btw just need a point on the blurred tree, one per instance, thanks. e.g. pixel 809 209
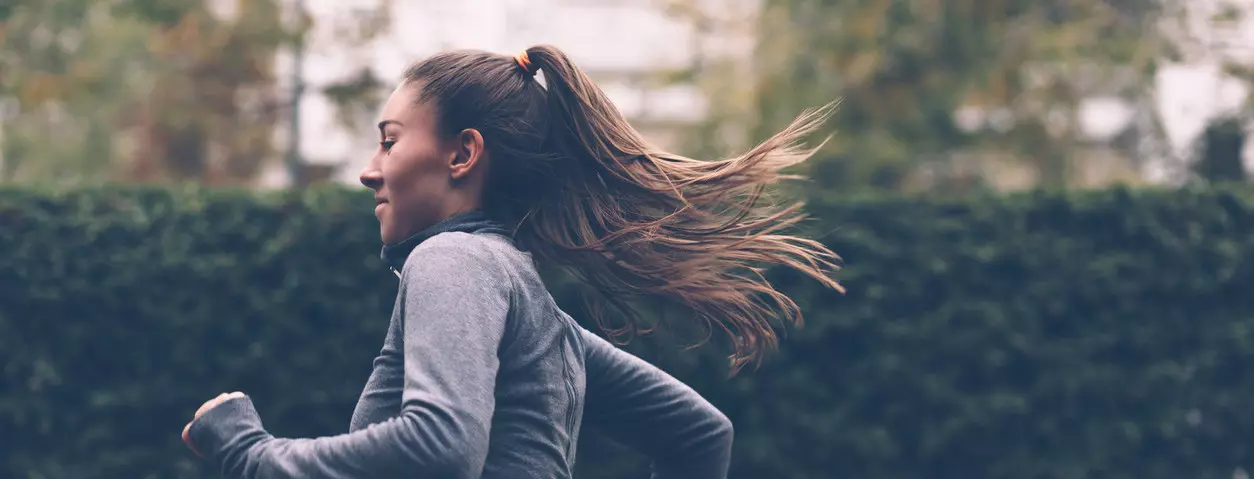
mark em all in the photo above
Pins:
pixel 723 64
pixel 358 94
pixel 56 63
pixel 938 87
pixel 139 90
pixel 1220 148
pixel 213 107
pixel 150 90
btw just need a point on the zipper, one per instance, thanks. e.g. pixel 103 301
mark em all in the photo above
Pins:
pixel 570 392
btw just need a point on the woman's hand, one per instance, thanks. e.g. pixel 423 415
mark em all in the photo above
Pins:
pixel 210 404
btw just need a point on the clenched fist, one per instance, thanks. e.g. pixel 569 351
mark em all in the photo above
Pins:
pixel 210 404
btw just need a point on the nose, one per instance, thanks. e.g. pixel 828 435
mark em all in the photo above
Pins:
pixel 372 178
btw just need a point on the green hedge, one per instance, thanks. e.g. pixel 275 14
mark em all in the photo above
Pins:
pixel 1079 335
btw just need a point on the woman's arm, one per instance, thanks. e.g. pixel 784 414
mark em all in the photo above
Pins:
pixel 454 302
pixel 641 406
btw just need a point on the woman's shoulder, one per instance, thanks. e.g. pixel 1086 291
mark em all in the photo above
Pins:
pixel 468 253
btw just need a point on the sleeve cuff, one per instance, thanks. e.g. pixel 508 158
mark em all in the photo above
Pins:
pixel 228 429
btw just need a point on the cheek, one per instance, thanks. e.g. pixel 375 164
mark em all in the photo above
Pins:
pixel 403 167
pixel 412 177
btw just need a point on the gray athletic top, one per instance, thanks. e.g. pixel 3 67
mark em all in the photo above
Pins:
pixel 481 375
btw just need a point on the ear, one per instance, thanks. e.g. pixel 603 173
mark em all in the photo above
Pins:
pixel 468 153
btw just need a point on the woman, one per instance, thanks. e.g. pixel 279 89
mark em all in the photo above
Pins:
pixel 479 170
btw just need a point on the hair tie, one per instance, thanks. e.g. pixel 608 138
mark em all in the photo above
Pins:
pixel 524 62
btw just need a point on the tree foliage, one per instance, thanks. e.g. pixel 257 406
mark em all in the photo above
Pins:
pixel 140 90
pixel 904 68
pixel 1095 334
pixel 934 92
pixel 1220 149
pixel 152 90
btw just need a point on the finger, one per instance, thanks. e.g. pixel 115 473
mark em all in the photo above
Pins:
pixel 205 407
pixel 187 439
pixel 212 403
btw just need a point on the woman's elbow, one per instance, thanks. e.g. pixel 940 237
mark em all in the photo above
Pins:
pixel 467 463
pixel 447 448
pixel 723 433
pixel 465 456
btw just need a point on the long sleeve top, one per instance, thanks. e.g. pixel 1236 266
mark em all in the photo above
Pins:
pixel 481 375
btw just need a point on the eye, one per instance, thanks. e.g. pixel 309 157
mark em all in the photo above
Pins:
pixel 387 144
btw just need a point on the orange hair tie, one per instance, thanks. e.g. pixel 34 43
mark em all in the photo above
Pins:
pixel 524 62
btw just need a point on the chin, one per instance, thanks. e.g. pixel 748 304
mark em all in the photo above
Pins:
pixel 388 230
pixel 385 234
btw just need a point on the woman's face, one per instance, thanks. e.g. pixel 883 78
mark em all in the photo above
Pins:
pixel 410 172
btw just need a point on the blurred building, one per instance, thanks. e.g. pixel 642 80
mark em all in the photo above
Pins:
pixel 1197 89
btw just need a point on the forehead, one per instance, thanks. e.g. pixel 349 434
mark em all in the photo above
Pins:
pixel 402 106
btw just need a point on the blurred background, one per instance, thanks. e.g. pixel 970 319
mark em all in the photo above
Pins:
pixel 937 95
pixel 1044 207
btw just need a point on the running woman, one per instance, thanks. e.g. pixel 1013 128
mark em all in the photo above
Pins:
pixel 482 171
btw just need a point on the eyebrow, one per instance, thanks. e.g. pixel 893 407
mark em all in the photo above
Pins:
pixel 387 122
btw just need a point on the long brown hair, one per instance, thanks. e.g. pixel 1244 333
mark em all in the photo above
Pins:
pixel 585 192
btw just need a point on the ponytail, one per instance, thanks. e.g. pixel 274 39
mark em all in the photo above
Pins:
pixel 637 222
